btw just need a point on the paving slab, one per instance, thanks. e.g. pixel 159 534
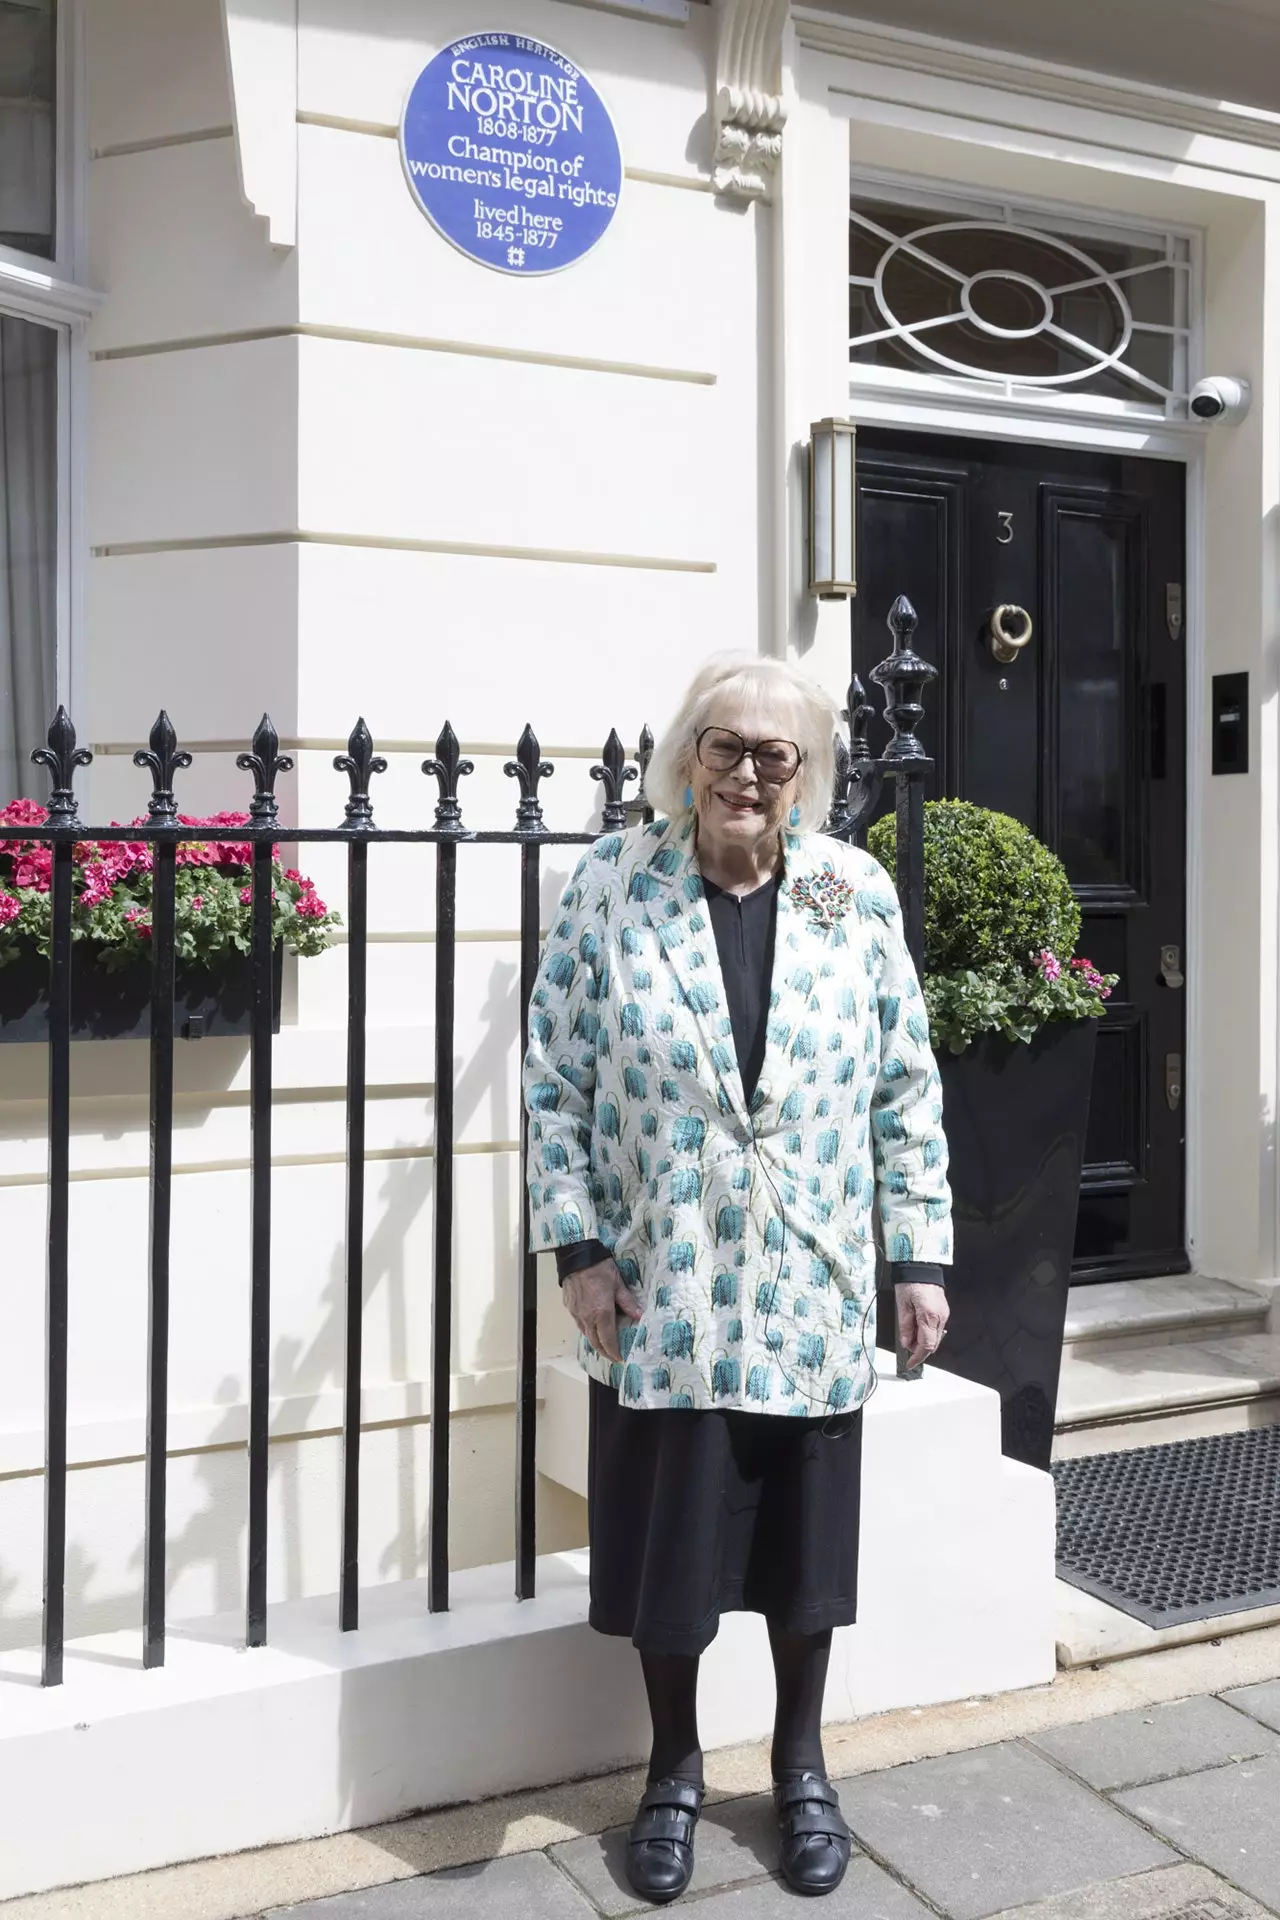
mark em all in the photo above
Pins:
pixel 1262 1702
pixel 978 1833
pixel 1171 1893
pixel 1155 1743
pixel 526 1887
pixel 737 1840
pixel 865 1893
pixel 1227 1818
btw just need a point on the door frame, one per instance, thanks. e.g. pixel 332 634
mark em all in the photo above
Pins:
pixel 865 99
pixel 937 409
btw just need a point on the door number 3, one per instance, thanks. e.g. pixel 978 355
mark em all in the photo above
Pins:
pixel 1005 535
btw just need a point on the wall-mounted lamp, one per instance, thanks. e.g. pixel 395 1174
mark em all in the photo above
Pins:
pixel 833 510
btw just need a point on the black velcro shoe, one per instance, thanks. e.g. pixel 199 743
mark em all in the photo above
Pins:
pixel 660 1843
pixel 816 1843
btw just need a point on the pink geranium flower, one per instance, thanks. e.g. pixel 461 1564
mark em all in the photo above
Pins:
pixel 1094 980
pixel 33 868
pixel 24 813
pixel 113 877
pixel 1050 966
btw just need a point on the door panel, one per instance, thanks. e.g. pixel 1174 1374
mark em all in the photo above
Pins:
pixel 1082 737
pixel 1091 584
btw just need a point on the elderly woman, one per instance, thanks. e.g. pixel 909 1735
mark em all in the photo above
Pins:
pixel 732 1096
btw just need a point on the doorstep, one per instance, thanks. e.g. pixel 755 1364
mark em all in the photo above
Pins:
pixel 1149 1361
pixel 1160 1311
pixel 1146 1362
pixel 1088 1632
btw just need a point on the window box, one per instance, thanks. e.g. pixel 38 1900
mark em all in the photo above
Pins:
pixel 212 1003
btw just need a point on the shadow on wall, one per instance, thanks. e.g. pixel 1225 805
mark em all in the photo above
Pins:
pixel 207 1546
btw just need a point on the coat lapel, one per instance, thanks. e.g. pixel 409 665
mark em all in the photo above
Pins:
pixel 676 910
pixel 669 883
pixel 819 982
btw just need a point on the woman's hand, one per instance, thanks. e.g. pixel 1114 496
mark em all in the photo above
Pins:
pixel 595 1296
pixel 923 1313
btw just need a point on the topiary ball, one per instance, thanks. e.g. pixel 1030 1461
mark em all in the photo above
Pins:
pixel 992 894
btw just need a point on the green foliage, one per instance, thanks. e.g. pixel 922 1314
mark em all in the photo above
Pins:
pixel 1010 1001
pixel 993 895
pixel 1001 925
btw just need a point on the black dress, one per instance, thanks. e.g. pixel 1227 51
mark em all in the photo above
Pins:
pixel 694 1513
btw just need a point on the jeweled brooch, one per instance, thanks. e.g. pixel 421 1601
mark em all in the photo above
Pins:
pixel 825 895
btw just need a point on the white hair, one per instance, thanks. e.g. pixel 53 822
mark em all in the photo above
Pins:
pixel 796 708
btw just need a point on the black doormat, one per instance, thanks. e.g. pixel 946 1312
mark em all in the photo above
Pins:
pixel 1173 1533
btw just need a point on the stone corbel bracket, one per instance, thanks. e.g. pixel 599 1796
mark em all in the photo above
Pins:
pixel 262 64
pixel 750 111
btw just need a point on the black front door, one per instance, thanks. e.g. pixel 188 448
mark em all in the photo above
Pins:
pixel 1081 736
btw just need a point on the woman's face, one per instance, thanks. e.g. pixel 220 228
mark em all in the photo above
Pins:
pixel 740 805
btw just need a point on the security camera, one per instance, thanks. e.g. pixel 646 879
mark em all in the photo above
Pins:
pixel 1222 397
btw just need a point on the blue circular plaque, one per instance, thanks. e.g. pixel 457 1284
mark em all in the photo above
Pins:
pixel 511 153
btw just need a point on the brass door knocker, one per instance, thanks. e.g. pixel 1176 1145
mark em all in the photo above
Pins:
pixel 1009 631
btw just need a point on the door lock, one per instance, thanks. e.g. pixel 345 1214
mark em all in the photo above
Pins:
pixel 1173 1080
pixel 1171 967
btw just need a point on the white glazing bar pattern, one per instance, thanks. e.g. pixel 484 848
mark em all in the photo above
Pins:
pixel 1025 305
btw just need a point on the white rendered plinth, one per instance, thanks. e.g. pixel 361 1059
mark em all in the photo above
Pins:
pixel 226 1749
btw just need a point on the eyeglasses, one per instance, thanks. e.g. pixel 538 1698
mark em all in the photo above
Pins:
pixel 720 750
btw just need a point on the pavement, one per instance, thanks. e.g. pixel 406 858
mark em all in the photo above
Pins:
pixel 1146 1789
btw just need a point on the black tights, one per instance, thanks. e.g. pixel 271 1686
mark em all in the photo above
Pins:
pixel 800 1670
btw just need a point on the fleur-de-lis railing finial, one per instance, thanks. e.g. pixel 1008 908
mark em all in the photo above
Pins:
pixel 359 763
pixel 529 768
pixel 264 763
pixel 837 819
pixel 858 713
pixel 615 773
pixel 62 756
pixel 863 774
pixel 448 767
pixel 903 676
pixel 164 758
pixel 644 754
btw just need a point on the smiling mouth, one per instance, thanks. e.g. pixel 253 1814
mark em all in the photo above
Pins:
pixel 737 804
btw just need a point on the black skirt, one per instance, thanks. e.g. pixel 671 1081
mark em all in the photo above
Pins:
pixel 693 1514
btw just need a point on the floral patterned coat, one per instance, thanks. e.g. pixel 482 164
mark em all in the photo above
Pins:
pixel 747 1234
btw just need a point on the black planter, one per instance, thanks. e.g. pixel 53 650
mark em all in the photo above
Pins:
pixel 209 1002
pixel 1015 1120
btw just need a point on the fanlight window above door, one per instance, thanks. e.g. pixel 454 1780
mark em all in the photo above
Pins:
pixel 998 295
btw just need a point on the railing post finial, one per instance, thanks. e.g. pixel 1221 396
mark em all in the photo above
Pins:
pixel 644 754
pixel 903 676
pixel 858 713
pixel 448 767
pixel 62 756
pixel 264 763
pixel 615 773
pixel 359 763
pixel 529 768
pixel 164 758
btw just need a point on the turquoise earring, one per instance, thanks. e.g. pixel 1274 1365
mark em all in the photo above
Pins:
pixel 688 796
pixel 795 816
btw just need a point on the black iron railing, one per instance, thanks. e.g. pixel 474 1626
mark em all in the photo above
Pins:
pixel 860 781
